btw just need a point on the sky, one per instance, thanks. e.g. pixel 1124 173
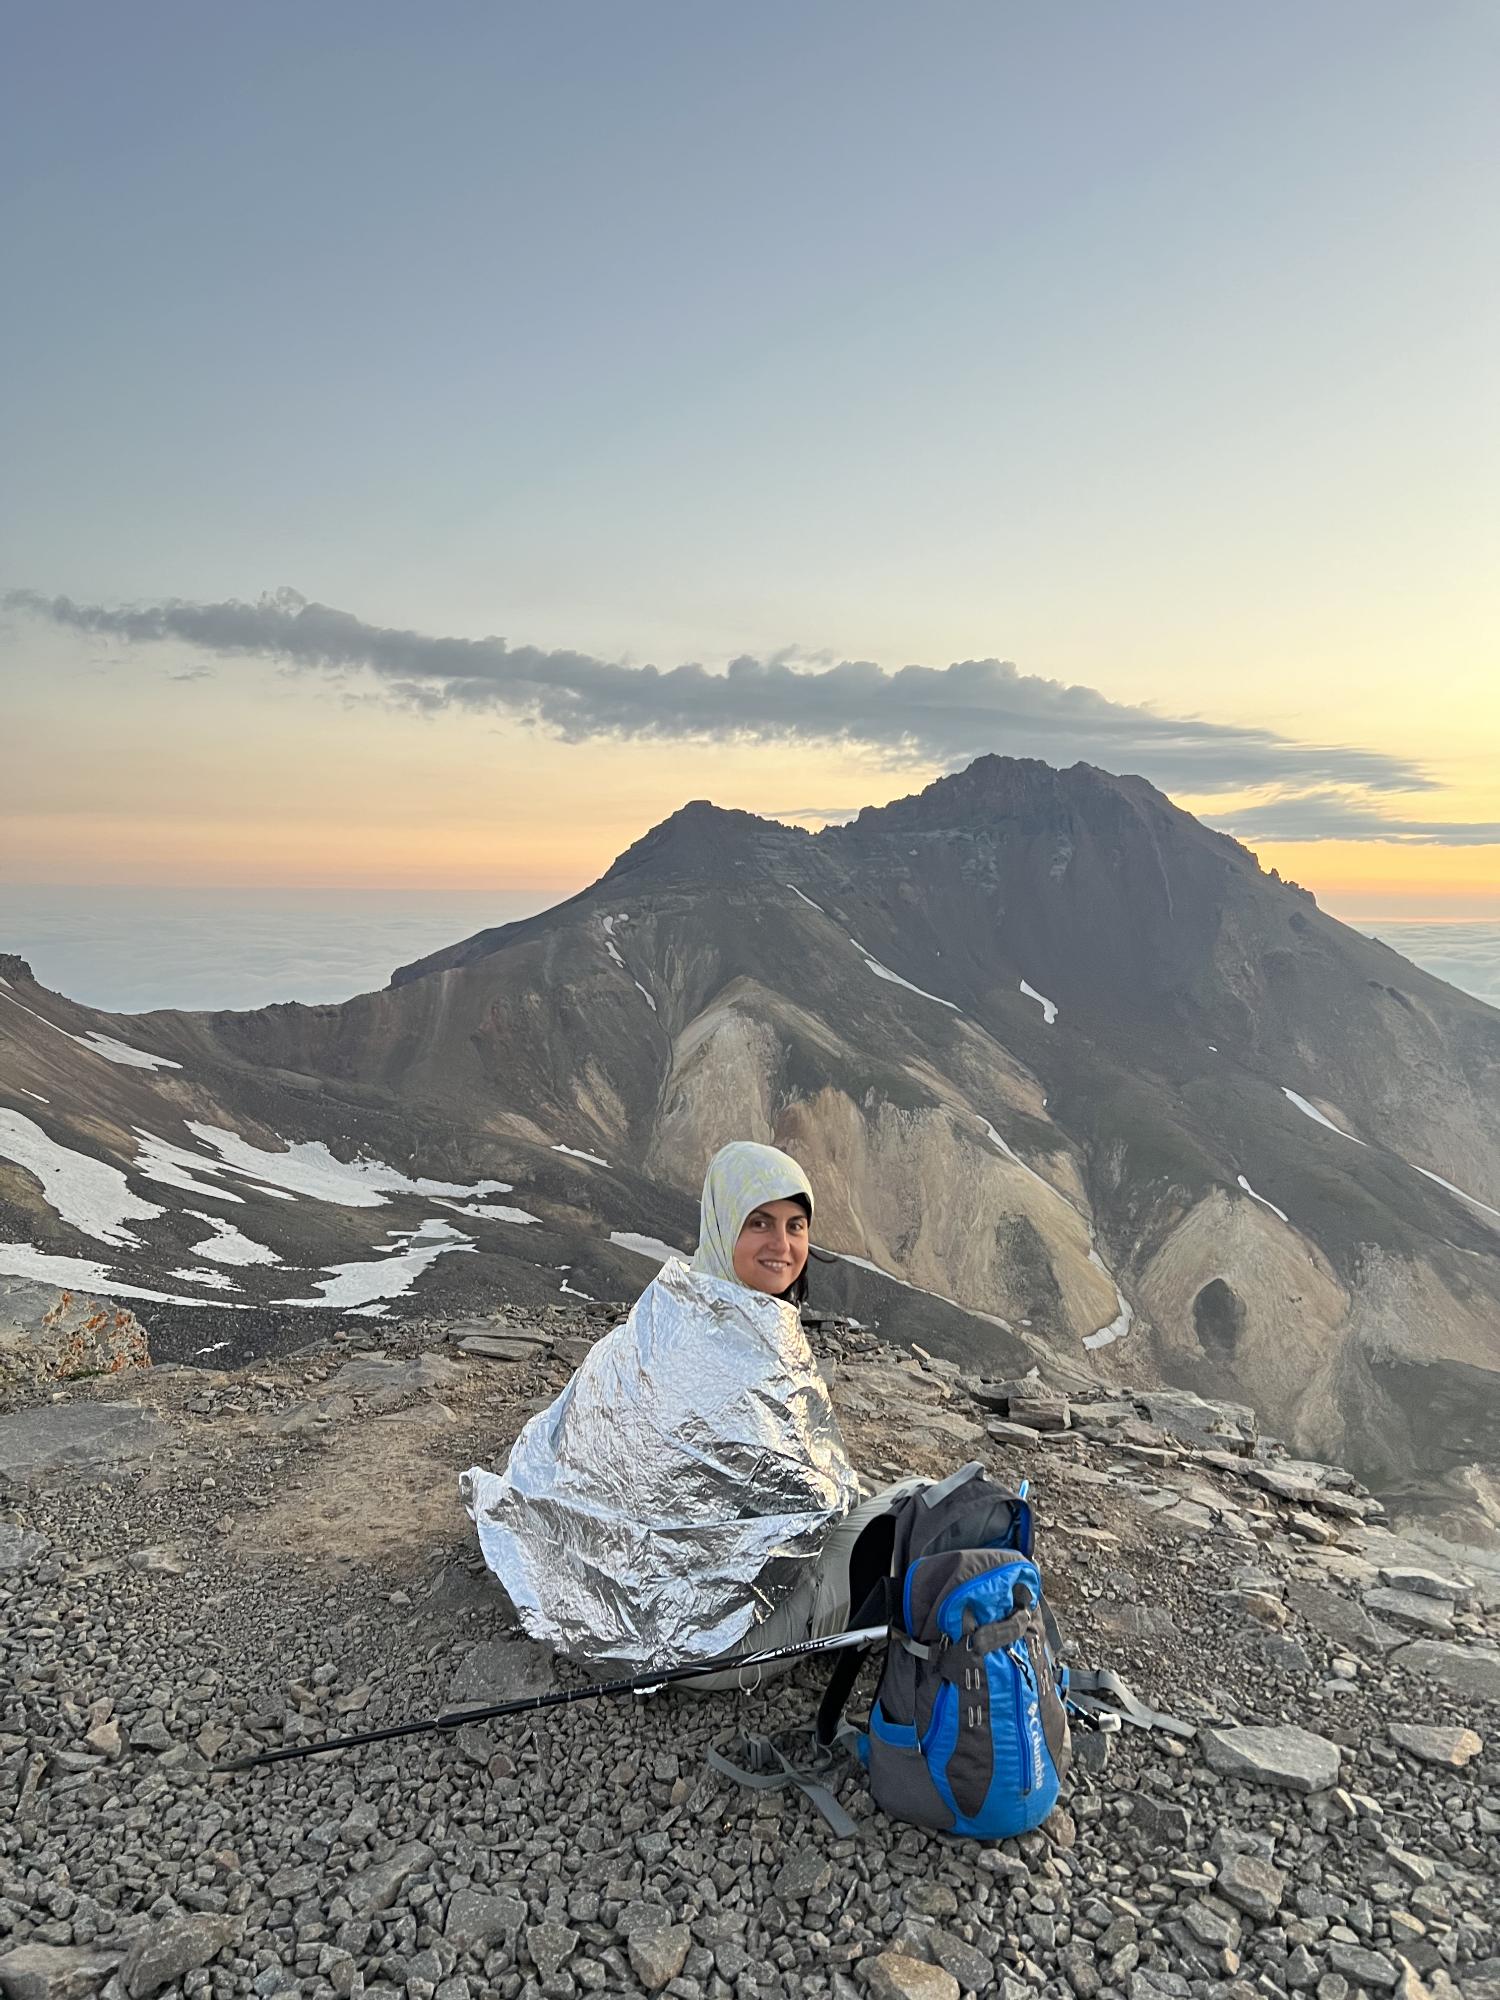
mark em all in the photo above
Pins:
pixel 437 443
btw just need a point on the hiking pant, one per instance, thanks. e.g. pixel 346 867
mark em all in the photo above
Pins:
pixel 821 1602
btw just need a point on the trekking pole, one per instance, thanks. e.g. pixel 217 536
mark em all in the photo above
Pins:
pixel 559 1698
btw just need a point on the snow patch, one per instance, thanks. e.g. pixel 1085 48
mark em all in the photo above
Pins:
pixel 36 1094
pixel 361 1284
pixel 174 1166
pixel 1242 1182
pixel 646 1246
pixel 1311 1111
pixel 88 1193
pixel 614 951
pixel 99 1045
pixel 227 1245
pixel 213 1281
pixel 1048 1007
pixel 491 1212
pixel 122 1052
pixel 81 1274
pixel 574 1294
pixel 576 1153
pixel 1124 1317
pixel 308 1168
pixel 1471 1198
pixel 884 972
pixel 806 899
pixel 645 995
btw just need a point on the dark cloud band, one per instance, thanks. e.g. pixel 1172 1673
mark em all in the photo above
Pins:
pixel 927 714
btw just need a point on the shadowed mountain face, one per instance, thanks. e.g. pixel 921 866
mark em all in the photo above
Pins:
pixel 1051 1050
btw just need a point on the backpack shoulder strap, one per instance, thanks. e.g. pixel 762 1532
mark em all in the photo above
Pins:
pixel 879 1608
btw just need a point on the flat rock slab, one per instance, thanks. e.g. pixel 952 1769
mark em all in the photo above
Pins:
pixel 502 1347
pixel 1290 1757
pixel 91 1440
pixel 380 1379
pixel 1428 1583
pixel 1437 1744
pixel 1473 1670
pixel 1410 1607
pixel 1334 1615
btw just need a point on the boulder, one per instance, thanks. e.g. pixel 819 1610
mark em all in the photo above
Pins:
pixel 377 1887
pixel 1428 1583
pixel 1253 1884
pixel 1196 1419
pixel 1334 1615
pixel 1410 1607
pixel 87 1440
pixel 1291 1757
pixel 54 1971
pixel 1433 1744
pixel 502 1347
pixel 52 1335
pixel 895 1975
pixel 1039 1413
pixel 658 1954
pixel 165 1954
pixel 476 1920
pixel 1464 1670
pixel 20 1547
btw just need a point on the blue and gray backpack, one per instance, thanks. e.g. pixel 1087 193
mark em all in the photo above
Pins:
pixel 968 1731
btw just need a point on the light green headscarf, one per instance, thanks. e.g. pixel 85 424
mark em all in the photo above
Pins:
pixel 740 1177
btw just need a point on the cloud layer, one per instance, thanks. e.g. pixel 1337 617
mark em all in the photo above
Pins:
pixel 943 715
pixel 1324 814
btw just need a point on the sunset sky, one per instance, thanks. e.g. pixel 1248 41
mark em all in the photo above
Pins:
pixel 1130 371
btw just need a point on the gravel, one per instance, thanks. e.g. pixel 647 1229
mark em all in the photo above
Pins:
pixel 291 1562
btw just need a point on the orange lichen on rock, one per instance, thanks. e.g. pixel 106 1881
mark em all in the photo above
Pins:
pixel 73 1336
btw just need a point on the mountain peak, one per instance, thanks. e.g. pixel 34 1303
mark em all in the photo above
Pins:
pixel 702 841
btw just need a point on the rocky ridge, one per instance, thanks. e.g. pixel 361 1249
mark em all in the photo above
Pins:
pixel 194 1563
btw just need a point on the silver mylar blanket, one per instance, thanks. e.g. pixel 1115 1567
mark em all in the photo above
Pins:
pixel 680 1486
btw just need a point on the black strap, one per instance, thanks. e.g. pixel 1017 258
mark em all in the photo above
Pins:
pixel 879 1608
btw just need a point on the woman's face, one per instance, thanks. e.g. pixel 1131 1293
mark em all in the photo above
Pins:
pixel 772 1246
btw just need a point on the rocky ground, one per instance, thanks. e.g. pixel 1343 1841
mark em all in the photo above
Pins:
pixel 195 1564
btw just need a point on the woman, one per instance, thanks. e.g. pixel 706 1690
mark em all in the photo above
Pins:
pixel 688 1494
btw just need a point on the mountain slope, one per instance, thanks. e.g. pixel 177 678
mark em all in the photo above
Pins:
pixel 1049 1048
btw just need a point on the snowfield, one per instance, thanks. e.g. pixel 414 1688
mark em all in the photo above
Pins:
pixel 308 1168
pixel 228 1245
pixel 362 1283
pixel 81 1274
pixel 91 1195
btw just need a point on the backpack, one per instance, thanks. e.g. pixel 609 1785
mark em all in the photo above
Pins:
pixel 968 1732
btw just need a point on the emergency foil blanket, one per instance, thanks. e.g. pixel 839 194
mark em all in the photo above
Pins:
pixel 679 1488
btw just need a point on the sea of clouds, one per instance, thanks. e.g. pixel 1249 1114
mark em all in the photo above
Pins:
pixel 129 950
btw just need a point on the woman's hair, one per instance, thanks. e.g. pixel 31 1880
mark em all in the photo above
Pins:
pixel 796 1292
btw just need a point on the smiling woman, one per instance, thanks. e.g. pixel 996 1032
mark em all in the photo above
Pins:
pixel 756 1220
